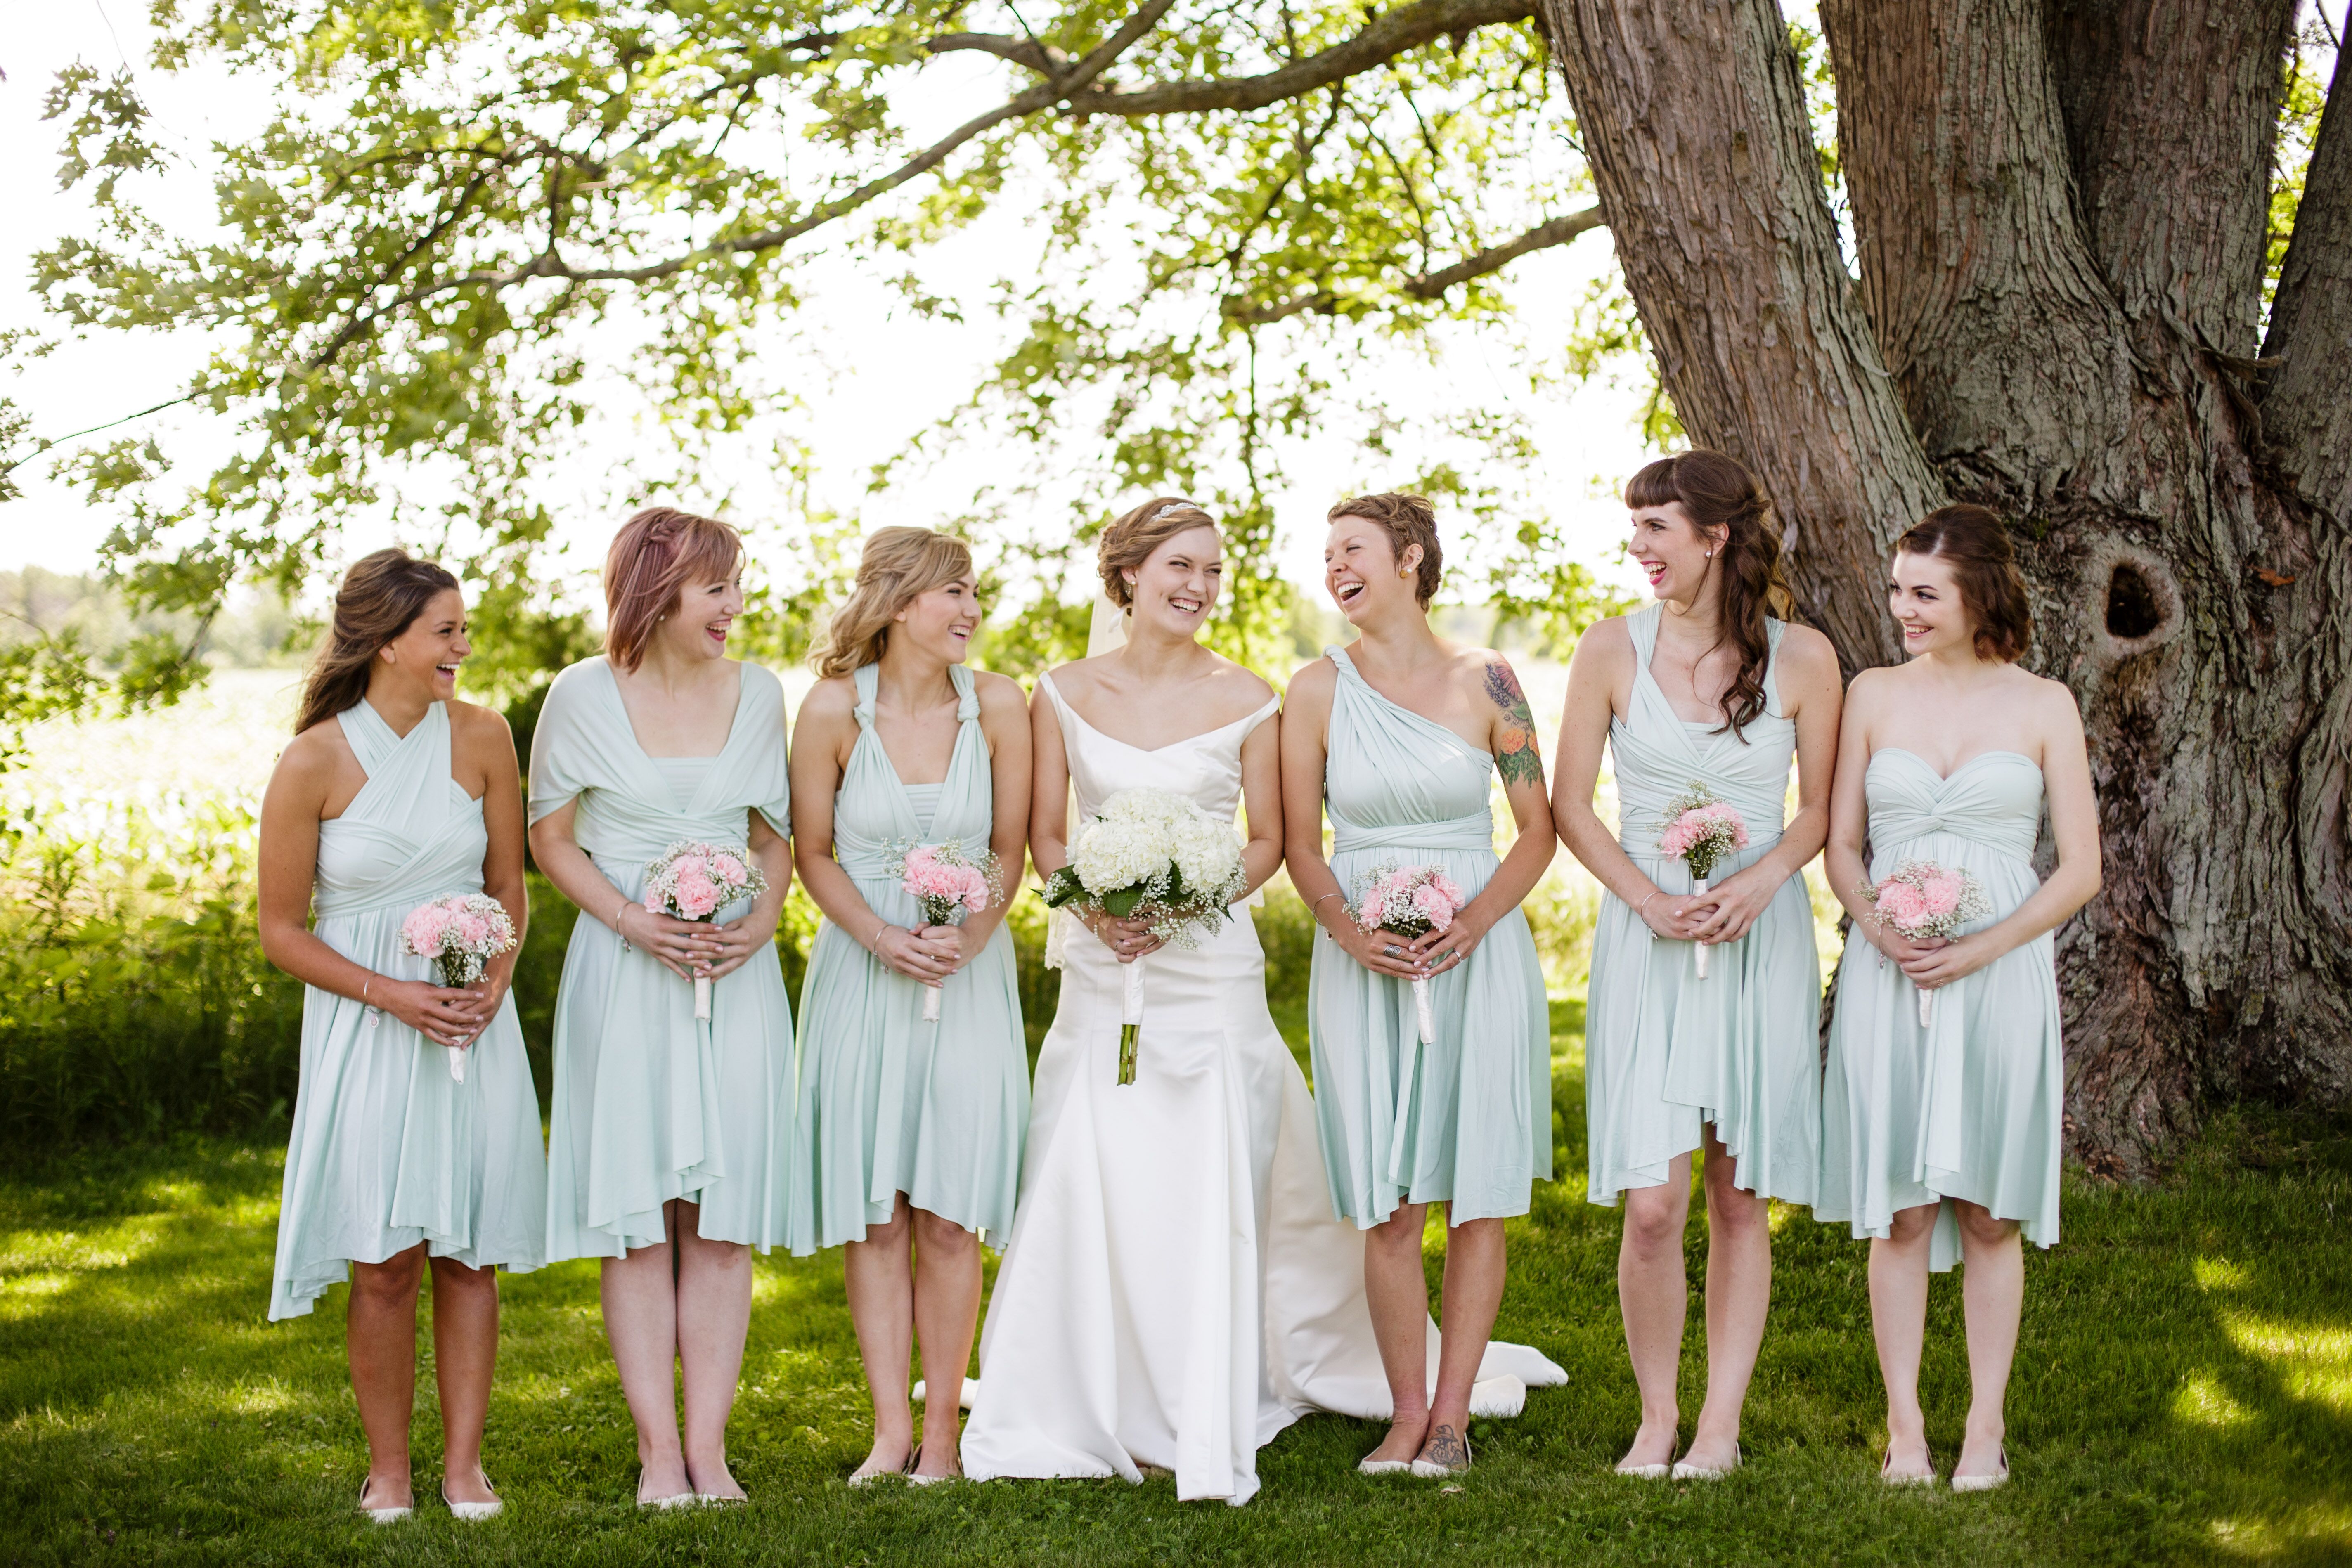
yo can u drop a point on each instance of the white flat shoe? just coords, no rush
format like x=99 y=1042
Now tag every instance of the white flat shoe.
x=1382 y=1467
x=381 y=1515
x=474 y=1512
x=1686 y=1471
x=864 y=1476
x=667 y=1504
x=914 y=1479
x=1998 y=1478
x=1888 y=1478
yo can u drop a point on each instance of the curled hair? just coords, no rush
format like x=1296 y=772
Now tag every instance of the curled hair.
x=1971 y=541
x=654 y=556
x=1129 y=541
x=1719 y=494
x=897 y=565
x=1406 y=520
x=381 y=597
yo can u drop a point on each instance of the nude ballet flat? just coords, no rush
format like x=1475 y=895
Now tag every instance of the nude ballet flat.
x=1369 y=1467
x=1889 y=1478
x=381 y=1515
x=667 y=1504
x=473 y=1513
x=1646 y=1472
x=1999 y=1478
x=1690 y=1472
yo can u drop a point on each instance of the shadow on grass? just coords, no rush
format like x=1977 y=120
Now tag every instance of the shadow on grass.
x=2183 y=1394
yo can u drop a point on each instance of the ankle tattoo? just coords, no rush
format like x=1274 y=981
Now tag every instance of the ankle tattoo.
x=1448 y=1447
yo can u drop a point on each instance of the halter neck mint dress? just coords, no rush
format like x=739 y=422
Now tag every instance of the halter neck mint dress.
x=650 y=1104
x=1971 y=1107
x=1466 y=1120
x=888 y=1103
x=387 y=1148
x=1665 y=1051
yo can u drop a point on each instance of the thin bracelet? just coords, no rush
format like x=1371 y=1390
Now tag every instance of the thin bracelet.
x=1646 y=928
x=363 y=989
x=625 y=947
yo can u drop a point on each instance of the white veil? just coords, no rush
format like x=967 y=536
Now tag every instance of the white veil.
x=1106 y=633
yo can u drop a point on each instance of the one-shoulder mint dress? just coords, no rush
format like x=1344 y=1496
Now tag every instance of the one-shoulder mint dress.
x=651 y=1104
x=1972 y=1107
x=1466 y=1120
x=1666 y=1052
x=888 y=1103
x=387 y=1148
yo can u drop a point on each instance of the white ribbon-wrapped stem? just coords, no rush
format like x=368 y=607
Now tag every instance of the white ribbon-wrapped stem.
x=931 y=1003
x=1926 y=1006
x=1699 y=886
x=703 y=999
x=1130 y=1018
x=1421 y=1005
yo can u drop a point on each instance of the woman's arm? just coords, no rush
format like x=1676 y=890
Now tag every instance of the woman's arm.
x=1262 y=803
x=1603 y=655
x=1850 y=820
x=734 y=943
x=289 y=869
x=489 y=740
x=1004 y=725
x=1518 y=763
x=2073 y=824
x=675 y=945
x=1812 y=694
x=1305 y=729
x=823 y=740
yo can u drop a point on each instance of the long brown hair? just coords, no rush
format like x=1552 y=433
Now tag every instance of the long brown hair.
x=1718 y=491
x=654 y=556
x=897 y=564
x=1972 y=541
x=381 y=596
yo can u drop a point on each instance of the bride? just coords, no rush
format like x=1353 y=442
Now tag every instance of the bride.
x=1176 y=1290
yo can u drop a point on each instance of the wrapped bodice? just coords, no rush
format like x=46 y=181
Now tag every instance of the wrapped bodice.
x=1993 y=799
x=875 y=810
x=1660 y=755
x=411 y=834
x=1396 y=780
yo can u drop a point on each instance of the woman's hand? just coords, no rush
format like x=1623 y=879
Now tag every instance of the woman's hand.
x=1938 y=964
x=1899 y=948
x=915 y=954
x=1674 y=916
x=1439 y=951
x=1381 y=951
x=947 y=941
x=734 y=945
x=1725 y=913
x=1129 y=939
x=442 y=1015
x=677 y=945
x=489 y=991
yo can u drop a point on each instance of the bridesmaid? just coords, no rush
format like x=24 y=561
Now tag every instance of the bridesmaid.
x=391 y=794
x=1704 y=688
x=1401 y=734
x=908 y=1136
x=666 y=1148
x=1940 y=1144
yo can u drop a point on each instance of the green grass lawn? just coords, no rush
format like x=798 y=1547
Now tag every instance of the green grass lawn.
x=2183 y=1393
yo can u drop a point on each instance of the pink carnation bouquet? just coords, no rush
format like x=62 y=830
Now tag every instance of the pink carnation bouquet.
x=1923 y=900
x=1701 y=829
x=947 y=883
x=694 y=882
x=460 y=935
x=1411 y=901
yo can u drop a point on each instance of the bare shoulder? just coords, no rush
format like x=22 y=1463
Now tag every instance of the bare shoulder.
x=472 y=722
x=1605 y=644
x=835 y=698
x=1312 y=682
x=2053 y=700
x=1809 y=653
x=998 y=693
x=1243 y=681
x=1490 y=674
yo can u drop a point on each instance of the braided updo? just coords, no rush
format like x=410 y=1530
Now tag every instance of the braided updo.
x=1129 y=541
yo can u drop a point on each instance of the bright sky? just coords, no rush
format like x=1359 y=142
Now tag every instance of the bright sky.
x=873 y=376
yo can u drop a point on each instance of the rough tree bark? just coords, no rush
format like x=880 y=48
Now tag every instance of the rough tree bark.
x=2059 y=210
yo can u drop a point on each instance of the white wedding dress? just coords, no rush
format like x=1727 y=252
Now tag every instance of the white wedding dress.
x=1176 y=1290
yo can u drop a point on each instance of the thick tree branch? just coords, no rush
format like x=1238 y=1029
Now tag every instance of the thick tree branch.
x=1390 y=33
x=1428 y=285
x=2006 y=346
x=2170 y=108
x=1694 y=121
x=549 y=264
x=2307 y=410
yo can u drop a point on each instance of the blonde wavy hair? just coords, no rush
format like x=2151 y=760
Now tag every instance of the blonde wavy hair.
x=897 y=565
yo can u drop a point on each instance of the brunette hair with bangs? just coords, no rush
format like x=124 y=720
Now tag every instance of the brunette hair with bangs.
x=1719 y=492
x=1406 y=520
x=1971 y=541
x=655 y=555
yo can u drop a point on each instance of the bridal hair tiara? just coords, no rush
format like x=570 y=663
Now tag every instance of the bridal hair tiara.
x=1176 y=506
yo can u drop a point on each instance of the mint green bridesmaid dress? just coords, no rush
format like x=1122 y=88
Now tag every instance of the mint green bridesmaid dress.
x=387 y=1148
x=1466 y=1120
x=651 y=1104
x=1667 y=1051
x=888 y=1103
x=1973 y=1106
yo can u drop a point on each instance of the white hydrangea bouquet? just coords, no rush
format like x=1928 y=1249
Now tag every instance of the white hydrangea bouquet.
x=1157 y=857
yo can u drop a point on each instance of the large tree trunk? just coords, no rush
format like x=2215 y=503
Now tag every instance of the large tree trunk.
x=2059 y=212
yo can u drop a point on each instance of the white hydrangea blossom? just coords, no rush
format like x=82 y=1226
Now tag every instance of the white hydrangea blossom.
x=1143 y=835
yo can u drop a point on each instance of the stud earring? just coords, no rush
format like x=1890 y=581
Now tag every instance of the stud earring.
x=1708 y=556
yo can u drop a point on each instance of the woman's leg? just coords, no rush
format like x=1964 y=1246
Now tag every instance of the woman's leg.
x=714 y=1314
x=1475 y=1267
x=380 y=1333
x=1396 y=1283
x=1652 y=1294
x=1993 y=1288
x=946 y=1313
x=1898 y=1320
x=464 y=1356
x=640 y=1295
x=880 y=1281
x=1738 y=1296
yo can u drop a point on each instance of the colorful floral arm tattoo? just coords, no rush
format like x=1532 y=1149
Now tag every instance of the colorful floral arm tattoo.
x=1516 y=757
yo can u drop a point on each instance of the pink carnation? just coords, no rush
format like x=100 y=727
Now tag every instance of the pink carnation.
x=698 y=896
x=1901 y=903
x=730 y=869
x=425 y=930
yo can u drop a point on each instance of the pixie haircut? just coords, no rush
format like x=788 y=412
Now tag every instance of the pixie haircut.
x=1971 y=541
x=1406 y=520
x=1129 y=541
x=657 y=553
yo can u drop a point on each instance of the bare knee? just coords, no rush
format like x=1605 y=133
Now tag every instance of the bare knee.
x=1979 y=1228
x=1911 y=1225
x=1733 y=1213
x=1401 y=1232
x=1654 y=1222
x=941 y=1238
x=452 y=1279
x=391 y=1282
